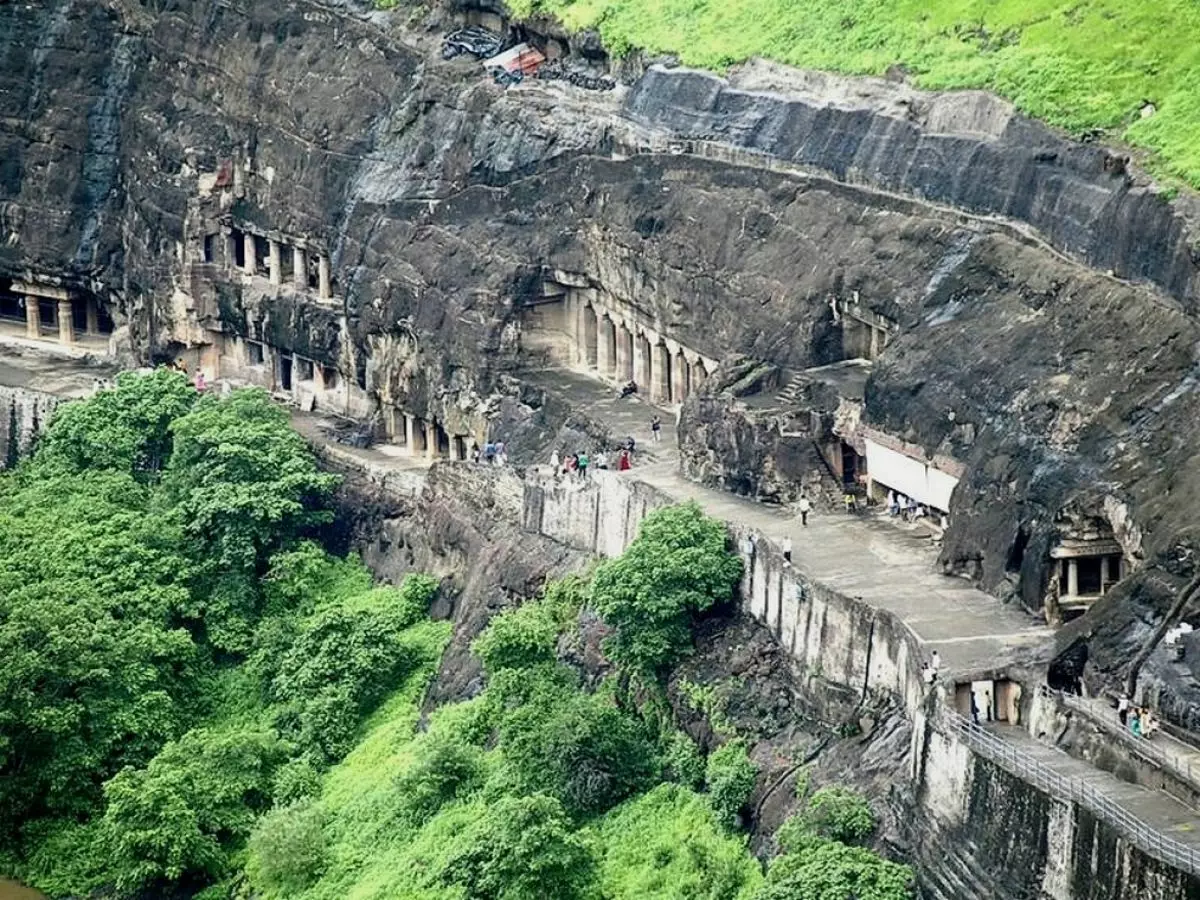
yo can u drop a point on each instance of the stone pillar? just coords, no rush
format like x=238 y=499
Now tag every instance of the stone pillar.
x=230 y=251
x=1072 y=578
x=93 y=316
x=590 y=335
x=410 y=434
x=431 y=447
x=33 y=317
x=624 y=353
x=300 y=268
x=319 y=385
x=571 y=325
x=641 y=364
x=679 y=378
x=66 y=324
x=606 y=347
x=660 y=374
x=275 y=263
x=250 y=251
x=323 y=277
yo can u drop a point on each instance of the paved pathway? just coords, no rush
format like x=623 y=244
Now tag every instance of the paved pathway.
x=869 y=557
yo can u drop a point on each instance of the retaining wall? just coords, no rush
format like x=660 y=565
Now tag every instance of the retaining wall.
x=987 y=821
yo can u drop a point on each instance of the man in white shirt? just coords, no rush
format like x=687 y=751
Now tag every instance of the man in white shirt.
x=805 y=507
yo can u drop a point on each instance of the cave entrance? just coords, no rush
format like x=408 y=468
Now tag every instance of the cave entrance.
x=237 y=239
x=12 y=305
x=262 y=255
x=285 y=372
x=850 y=464
x=460 y=447
x=443 y=441
x=1086 y=568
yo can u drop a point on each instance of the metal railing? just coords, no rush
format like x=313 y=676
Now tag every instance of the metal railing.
x=1030 y=770
x=1183 y=767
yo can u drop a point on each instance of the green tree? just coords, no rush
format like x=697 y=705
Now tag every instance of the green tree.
x=95 y=676
x=126 y=428
x=444 y=769
x=579 y=748
x=829 y=870
x=676 y=567
x=242 y=482
x=287 y=849
x=522 y=848
x=339 y=666
x=729 y=776
x=180 y=815
x=835 y=813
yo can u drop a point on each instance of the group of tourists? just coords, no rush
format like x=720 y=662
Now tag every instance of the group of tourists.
x=493 y=453
x=200 y=382
x=905 y=507
x=929 y=668
x=1140 y=721
x=578 y=464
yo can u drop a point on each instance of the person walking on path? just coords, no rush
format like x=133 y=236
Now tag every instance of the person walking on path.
x=582 y=461
x=656 y=429
x=805 y=508
x=935 y=662
x=1123 y=709
x=787 y=550
x=623 y=460
x=555 y=463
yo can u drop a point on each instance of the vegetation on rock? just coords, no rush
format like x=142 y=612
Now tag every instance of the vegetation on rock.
x=198 y=700
x=1095 y=64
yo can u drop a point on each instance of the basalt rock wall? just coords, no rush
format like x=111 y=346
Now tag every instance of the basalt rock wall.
x=1081 y=197
x=23 y=415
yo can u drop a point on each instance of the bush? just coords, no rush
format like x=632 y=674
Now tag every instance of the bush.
x=828 y=870
x=835 y=813
x=295 y=780
x=730 y=779
x=444 y=769
x=287 y=849
x=338 y=668
x=178 y=816
x=578 y=748
x=682 y=761
x=528 y=635
x=667 y=845
x=522 y=848
x=518 y=639
x=677 y=566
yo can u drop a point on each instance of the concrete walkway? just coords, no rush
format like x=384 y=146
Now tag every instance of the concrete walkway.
x=873 y=558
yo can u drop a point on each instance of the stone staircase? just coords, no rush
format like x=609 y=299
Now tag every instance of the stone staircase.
x=789 y=394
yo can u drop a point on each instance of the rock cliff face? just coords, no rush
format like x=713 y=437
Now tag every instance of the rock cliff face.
x=443 y=200
x=1043 y=297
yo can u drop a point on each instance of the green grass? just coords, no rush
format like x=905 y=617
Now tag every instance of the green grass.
x=1078 y=64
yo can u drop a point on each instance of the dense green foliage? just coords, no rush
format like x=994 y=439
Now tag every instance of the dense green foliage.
x=178 y=658
x=522 y=848
x=676 y=567
x=729 y=777
x=199 y=700
x=1079 y=64
x=835 y=813
x=818 y=858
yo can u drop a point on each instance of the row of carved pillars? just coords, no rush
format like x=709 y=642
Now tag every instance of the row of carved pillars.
x=275 y=250
x=609 y=347
x=424 y=437
x=66 y=318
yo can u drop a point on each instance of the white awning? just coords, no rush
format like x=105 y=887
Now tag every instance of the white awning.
x=922 y=481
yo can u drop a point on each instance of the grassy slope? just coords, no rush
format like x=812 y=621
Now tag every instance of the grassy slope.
x=660 y=845
x=1078 y=64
